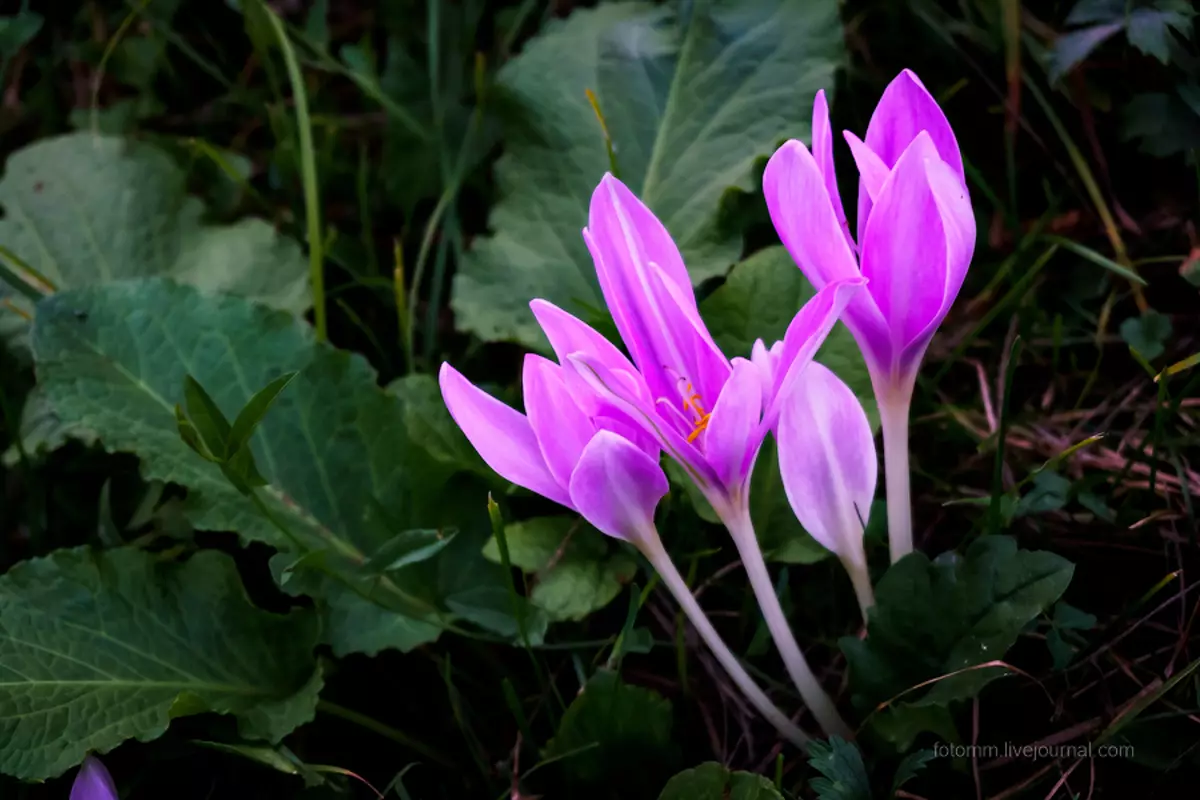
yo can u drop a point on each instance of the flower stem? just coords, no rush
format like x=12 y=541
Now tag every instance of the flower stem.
x=651 y=546
x=893 y=416
x=815 y=697
x=860 y=576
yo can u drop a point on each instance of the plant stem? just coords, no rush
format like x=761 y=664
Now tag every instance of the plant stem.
x=860 y=576
x=893 y=417
x=651 y=546
x=387 y=731
x=815 y=697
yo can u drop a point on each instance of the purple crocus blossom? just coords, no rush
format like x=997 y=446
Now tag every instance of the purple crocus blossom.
x=560 y=448
x=829 y=467
x=709 y=413
x=93 y=782
x=916 y=236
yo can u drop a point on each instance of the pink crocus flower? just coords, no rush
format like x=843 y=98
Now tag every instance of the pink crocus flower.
x=93 y=782
x=707 y=412
x=916 y=236
x=829 y=467
x=573 y=448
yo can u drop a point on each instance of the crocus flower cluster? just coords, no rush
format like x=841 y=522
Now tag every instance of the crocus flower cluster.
x=597 y=421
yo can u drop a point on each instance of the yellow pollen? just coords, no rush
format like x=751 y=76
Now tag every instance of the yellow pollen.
x=691 y=402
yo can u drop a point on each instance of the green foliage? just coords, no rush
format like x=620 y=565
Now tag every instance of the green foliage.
x=575 y=569
x=844 y=774
x=934 y=618
x=713 y=781
x=99 y=647
x=1147 y=334
x=612 y=723
x=669 y=113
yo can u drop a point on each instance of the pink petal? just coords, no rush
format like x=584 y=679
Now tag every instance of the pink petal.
x=561 y=427
x=872 y=172
x=904 y=250
x=569 y=334
x=827 y=459
x=905 y=109
x=805 y=335
x=804 y=216
x=733 y=435
x=616 y=487
x=93 y=782
x=822 y=151
x=503 y=437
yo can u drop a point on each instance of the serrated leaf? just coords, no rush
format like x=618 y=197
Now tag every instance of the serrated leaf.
x=841 y=764
x=84 y=209
x=575 y=569
x=1149 y=28
x=1072 y=48
x=101 y=646
x=673 y=82
x=343 y=474
x=611 y=722
x=933 y=618
x=911 y=766
x=713 y=781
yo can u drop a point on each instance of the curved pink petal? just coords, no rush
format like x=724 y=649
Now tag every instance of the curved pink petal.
x=93 y=782
x=804 y=216
x=805 y=335
x=616 y=487
x=610 y=385
x=822 y=152
x=569 y=334
x=872 y=172
x=827 y=460
x=561 y=427
x=733 y=436
x=904 y=250
x=503 y=437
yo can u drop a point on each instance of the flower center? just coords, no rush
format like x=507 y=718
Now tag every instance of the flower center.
x=691 y=402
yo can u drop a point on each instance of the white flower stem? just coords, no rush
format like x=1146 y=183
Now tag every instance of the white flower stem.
x=651 y=546
x=815 y=697
x=860 y=576
x=893 y=416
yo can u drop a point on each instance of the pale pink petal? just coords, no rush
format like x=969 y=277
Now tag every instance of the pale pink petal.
x=827 y=460
x=733 y=435
x=904 y=249
x=905 y=109
x=616 y=487
x=872 y=172
x=503 y=437
x=561 y=427
x=93 y=782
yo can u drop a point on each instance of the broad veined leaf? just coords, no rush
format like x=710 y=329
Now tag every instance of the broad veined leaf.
x=574 y=568
x=933 y=618
x=713 y=781
x=97 y=647
x=84 y=209
x=692 y=95
x=343 y=473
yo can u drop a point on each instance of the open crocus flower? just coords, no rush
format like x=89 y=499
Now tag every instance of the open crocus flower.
x=709 y=414
x=573 y=448
x=829 y=467
x=93 y=782
x=916 y=235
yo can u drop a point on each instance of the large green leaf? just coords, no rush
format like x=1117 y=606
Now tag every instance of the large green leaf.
x=344 y=475
x=692 y=95
x=84 y=209
x=100 y=647
x=713 y=781
x=575 y=569
x=612 y=723
x=932 y=618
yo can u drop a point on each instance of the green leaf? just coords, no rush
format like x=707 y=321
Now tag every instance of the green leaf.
x=576 y=569
x=1050 y=492
x=254 y=411
x=713 y=781
x=409 y=547
x=18 y=30
x=1148 y=334
x=343 y=474
x=758 y=301
x=841 y=764
x=672 y=81
x=100 y=647
x=85 y=209
x=611 y=722
x=1069 y=617
x=431 y=426
x=900 y=724
x=910 y=767
x=1148 y=29
x=206 y=418
x=934 y=618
